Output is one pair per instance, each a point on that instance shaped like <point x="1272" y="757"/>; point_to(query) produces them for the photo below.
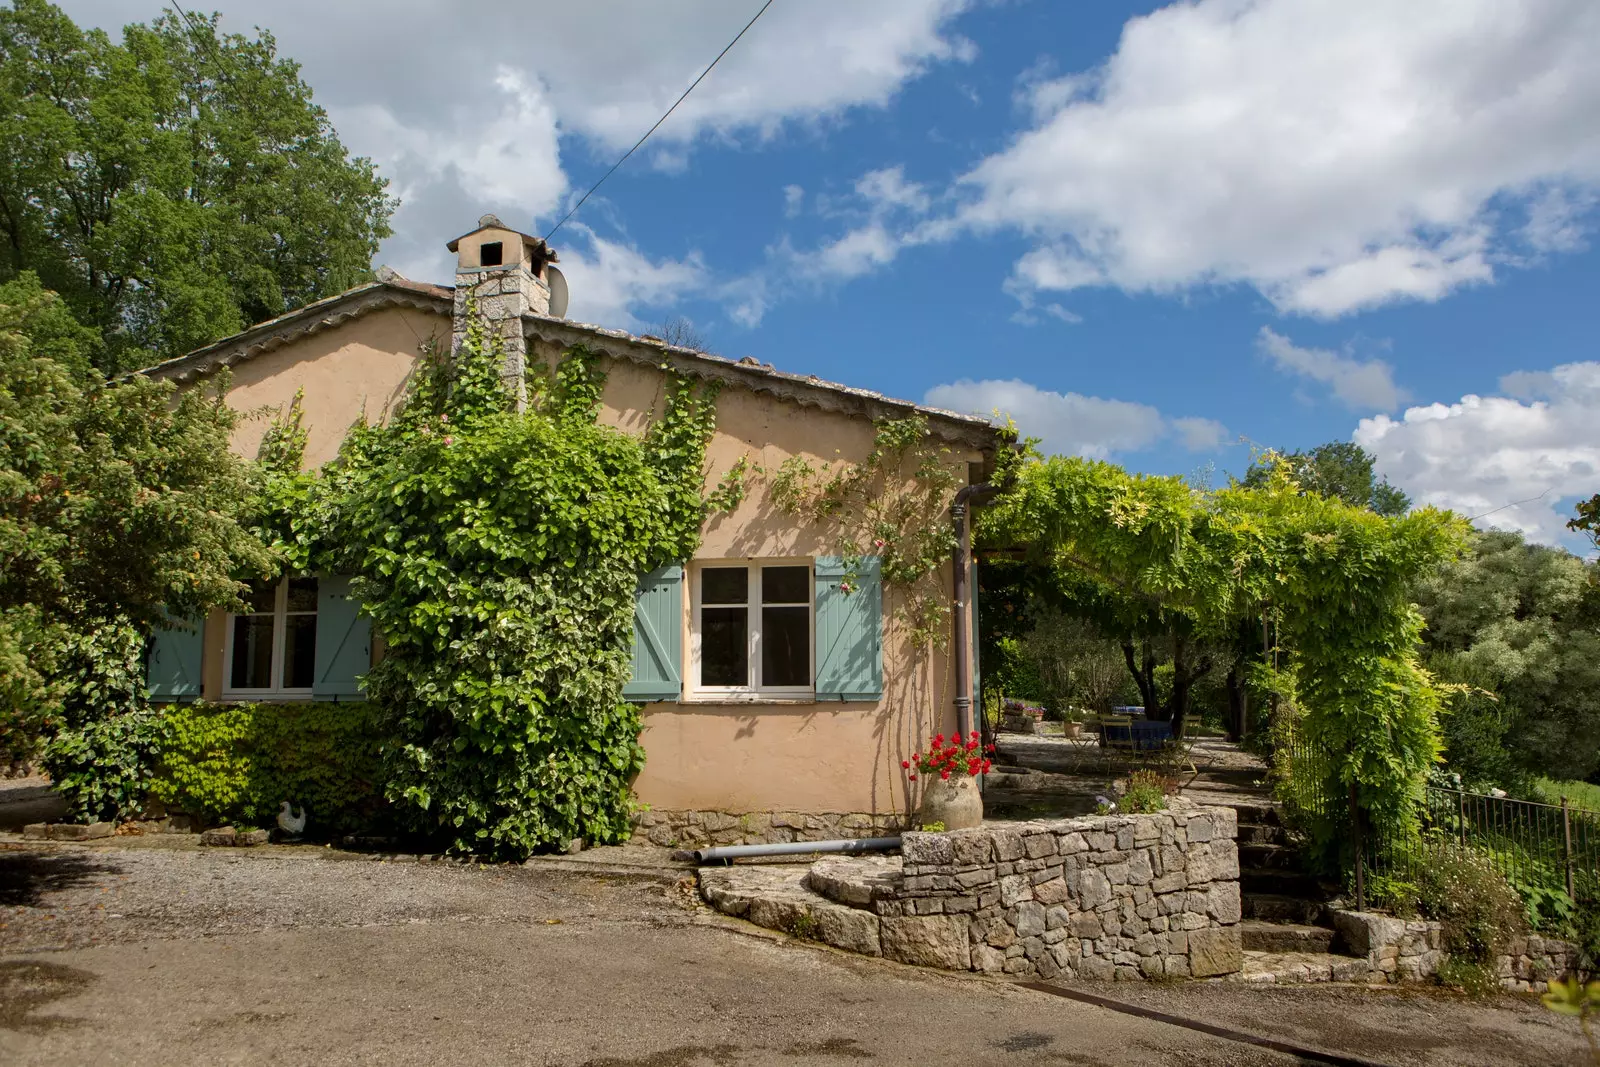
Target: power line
<point x="1514" y="503"/>
<point x="659" y="121"/>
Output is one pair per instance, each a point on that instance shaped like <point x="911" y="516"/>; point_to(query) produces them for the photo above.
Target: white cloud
<point x="887" y="189"/>
<point x="510" y="109"/>
<point x="1483" y="453"/>
<point x="1334" y="154"/>
<point x="611" y="281"/>
<point x="1074" y="424"/>
<point x="793" y="199"/>
<point x="1360" y="384"/>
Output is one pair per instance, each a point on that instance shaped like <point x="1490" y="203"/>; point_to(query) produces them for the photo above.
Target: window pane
<point x="252" y="652"/>
<point x="263" y="596"/>
<point x="299" y="651"/>
<point x="785" y="646"/>
<point x="786" y="585"/>
<point x="302" y="594"/>
<point x="724" y="646"/>
<point x="724" y="585"/>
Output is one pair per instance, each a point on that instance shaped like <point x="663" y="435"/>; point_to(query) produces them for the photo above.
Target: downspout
<point x="960" y="594"/>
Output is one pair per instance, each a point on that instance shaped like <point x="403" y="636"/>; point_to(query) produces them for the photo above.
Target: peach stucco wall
<point x="728" y="756"/>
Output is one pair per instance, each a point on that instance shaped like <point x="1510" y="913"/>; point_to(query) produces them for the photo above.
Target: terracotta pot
<point x="1073" y="729"/>
<point x="956" y="803"/>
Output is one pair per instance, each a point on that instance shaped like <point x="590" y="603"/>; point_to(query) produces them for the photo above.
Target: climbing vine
<point x="1338" y="580"/>
<point x="497" y="551"/>
<point x="893" y="505"/>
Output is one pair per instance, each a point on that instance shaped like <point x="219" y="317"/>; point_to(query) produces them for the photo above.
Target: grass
<point x="1578" y="794"/>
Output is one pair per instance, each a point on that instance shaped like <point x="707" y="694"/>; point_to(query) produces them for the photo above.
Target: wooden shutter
<point x="177" y="654"/>
<point x="344" y="642"/>
<point x="657" y="636"/>
<point x="849" y="629"/>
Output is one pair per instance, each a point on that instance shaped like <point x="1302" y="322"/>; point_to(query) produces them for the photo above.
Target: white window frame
<point x="753" y="605"/>
<point x="280" y="635"/>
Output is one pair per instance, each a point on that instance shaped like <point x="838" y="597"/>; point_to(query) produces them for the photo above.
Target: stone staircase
<point x="1285" y="931"/>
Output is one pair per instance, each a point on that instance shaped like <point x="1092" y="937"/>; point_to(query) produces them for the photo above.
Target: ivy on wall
<point x="894" y="505"/>
<point x="497" y="551"/>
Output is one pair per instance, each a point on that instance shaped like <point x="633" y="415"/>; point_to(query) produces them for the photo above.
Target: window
<point x="752" y="628"/>
<point x="490" y="254"/>
<point x="272" y="648"/>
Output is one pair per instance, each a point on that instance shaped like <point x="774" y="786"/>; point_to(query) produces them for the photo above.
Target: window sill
<point x="749" y="698"/>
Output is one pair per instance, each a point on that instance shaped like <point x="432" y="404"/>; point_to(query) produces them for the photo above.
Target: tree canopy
<point x="1337" y="578"/>
<point x="173" y="188"/>
<point x="1520" y="624"/>
<point x="1339" y="469"/>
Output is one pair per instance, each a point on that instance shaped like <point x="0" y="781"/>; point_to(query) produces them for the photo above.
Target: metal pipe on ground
<point x="729" y="853"/>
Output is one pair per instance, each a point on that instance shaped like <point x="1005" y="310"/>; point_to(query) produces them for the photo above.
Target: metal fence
<point x="1555" y="847"/>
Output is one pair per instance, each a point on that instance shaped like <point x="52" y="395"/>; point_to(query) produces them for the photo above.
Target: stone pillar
<point x="501" y="295"/>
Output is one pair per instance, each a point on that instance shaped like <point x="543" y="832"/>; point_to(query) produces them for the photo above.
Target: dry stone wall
<point x="1103" y="897"/>
<point x="1405" y="950"/>
<point x="700" y="829"/>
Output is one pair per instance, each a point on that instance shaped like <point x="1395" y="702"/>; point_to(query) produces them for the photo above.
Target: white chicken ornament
<point x="289" y="822"/>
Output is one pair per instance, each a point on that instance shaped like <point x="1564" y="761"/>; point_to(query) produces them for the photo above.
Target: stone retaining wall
<point x="700" y="829"/>
<point x="1103" y="897"/>
<point x="1401" y="950"/>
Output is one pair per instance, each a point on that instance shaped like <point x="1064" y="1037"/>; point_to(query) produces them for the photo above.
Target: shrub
<point x="1147" y="792"/>
<point x="240" y="762"/>
<point x="1460" y="888"/>
<point x="103" y="767"/>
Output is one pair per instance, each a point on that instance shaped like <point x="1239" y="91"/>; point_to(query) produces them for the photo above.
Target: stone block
<point x="1034" y="947"/>
<point x="251" y="838"/>
<point x="1139" y="870"/>
<point x="988" y="960"/>
<point x="922" y="849"/>
<point x="1001" y="934"/>
<point x="1199" y="829"/>
<point x="972" y="848"/>
<point x="1096" y="969"/>
<point x="1087" y="926"/>
<point x="1215" y="951"/>
<point x="1071" y="844"/>
<point x="1014" y="888"/>
<point x="1168" y="882"/>
<point x="1364" y="933"/>
<point x="927" y="941"/>
<point x="36" y="831"/>
<point x="1057" y="918"/>
<point x="1007" y="846"/>
<point x="1030" y="919"/>
<point x="847" y="928"/>
<point x="221" y="836"/>
<point x="1040" y="845"/>
<point x="1051" y="892"/>
<point x="1094" y="889"/>
<point x="1224" y="903"/>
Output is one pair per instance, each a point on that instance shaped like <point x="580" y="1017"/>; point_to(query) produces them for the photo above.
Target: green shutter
<point x="176" y="658"/>
<point x="849" y="629"/>
<point x="344" y="642"/>
<point x="658" y="636"/>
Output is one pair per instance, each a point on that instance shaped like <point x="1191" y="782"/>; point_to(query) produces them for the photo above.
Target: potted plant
<point x="949" y="773"/>
<point x="1072" y="725"/>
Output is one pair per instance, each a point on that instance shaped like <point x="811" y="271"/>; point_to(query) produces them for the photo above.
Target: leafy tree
<point x="173" y="188"/>
<point x="1520" y="624"/>
<point x="1340" y="469"/>
<point x="120" y="506"/>
<point x="1588" y="519"/>
<point x="1337" y="578"/>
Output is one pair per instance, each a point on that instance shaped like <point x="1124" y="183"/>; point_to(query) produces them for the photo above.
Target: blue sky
<point x="1155" y="234"/>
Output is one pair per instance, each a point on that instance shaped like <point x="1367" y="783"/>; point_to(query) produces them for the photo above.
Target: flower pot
<point x="956" y="802"/>
<point x="1072" y="729"/>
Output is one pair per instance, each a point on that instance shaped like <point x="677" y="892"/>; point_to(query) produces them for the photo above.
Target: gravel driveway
<point x="136" y="952"/>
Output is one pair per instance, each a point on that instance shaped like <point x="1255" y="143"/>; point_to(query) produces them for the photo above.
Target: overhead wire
<point x="659" y="121"/>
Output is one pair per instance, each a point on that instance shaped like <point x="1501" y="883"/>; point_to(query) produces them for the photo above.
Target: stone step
<point x="1265" y="856"/>
<point x="1258" y="814"/>
<point x="777" y="898"/>
<point x="1261" y="833"/>
<point x="1299" y="968"/>
<point x="1272" y="907"/>
<point x="856" y="882"/>
<point x="1287" y="883"/>
<point x="1258" y="935"/>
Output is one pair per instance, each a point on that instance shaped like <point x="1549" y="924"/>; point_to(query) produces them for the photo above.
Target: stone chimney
<point x="505" y="274"/>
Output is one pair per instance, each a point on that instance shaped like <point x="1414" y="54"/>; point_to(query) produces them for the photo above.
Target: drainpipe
<point x="963" y="635"/>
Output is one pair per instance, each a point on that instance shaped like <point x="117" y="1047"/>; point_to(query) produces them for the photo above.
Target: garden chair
<point x="1180" y="750"/>
<point x="1117" y="740"/>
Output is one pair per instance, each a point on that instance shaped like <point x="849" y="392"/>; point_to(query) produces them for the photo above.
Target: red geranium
<point x="960" y="756"/>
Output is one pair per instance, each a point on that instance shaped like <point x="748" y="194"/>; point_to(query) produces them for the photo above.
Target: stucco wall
<point x="358" y="367"/>
<point x="743" y="757"/>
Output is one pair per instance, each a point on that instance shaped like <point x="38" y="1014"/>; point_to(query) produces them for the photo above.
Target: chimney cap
<point x="541" y="251"/>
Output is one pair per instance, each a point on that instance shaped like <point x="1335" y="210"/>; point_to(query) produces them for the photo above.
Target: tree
<point x="176" y="187"/>
<point x="1588" y="519"/>
<point x="1340" y="469"/>
<point x="120" y="507"/>
<point x="677" y="330"/>
<point x="1520" y="625"/>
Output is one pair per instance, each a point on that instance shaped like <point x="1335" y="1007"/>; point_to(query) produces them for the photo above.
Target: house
<point x="738" y="746"/>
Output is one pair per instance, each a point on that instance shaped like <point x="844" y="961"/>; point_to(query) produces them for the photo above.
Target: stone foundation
<point x="1401" y="950"/>
<point x="701" y="829"/>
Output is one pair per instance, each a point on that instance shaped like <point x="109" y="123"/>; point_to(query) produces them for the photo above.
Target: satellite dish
<point x="558" y="291"/>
